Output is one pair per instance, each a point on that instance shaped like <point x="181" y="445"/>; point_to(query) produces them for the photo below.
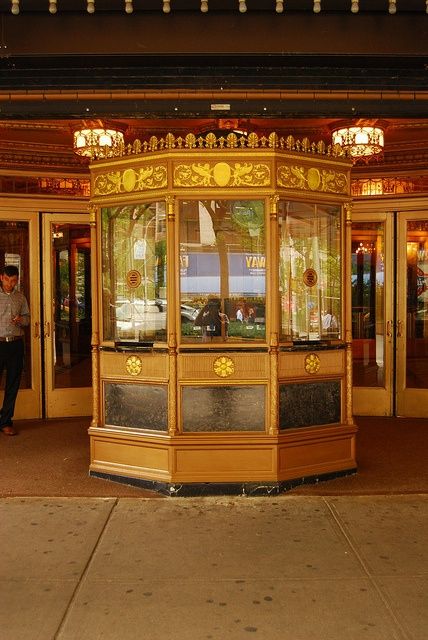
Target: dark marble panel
<point x="306" y="404"/>
<point x="139" y="406"/>
<point x="218" y="408"/>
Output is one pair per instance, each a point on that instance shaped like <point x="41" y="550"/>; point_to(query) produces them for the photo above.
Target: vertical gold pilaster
<point x="274" y="385"/>
<point x="347" y="303"/>
<point x="95" y="337"/>
<point x="171" y="296"/>
<point x="272" y="280"/>
<point x="96" y="400"/>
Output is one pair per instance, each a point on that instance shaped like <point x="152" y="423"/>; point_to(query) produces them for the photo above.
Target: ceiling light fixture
<point x="317" y="6"/>
<point x="97" y="143"/>
<point x="361" y="142"/>
<point x="204" y="6"/>
<point x="279" y="6"/>
<point x="392" y="6"/>
<point x="242" y="6"/>
<point x="166" y="6"/>
<point x="15" y="7"/>
<point x="355" y="6"/>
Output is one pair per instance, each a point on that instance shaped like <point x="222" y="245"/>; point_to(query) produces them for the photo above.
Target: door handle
<point x="37" y="329"/>
<point x="399" y="329"/>
<point x="47" y="329"/>
<point x="389" y="329"/>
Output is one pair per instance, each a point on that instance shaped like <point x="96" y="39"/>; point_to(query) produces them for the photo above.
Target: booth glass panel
<point x="222" y="270"/>
<point x="309" y="271"/>
<point x="134" y="272"/>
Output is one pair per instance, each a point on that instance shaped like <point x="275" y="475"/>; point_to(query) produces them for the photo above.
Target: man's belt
<point x="10" y="338"/>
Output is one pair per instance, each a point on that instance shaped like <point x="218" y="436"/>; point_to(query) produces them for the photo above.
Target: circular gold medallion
<point x="134" y="365"/>
<point x="314" y="179"/>
<point x="224" y="367"/>
<point x="221" y="173"/>
<point x="312" y="363"/>
<point x="129" y="179"/>
<point x="133" y="278"/>
<point x="310" y="277"/>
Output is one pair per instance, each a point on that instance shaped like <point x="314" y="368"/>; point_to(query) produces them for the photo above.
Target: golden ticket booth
<point x="222" y="338"/>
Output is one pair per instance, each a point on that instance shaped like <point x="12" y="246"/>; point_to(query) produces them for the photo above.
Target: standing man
<point x="14" y="314"/>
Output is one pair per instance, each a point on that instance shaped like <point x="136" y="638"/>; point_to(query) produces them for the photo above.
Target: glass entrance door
<point x="19" y="245"/>
<point x="390" y="314"/>
<point x="412" y="318"/>
<point x="67" y="314"/>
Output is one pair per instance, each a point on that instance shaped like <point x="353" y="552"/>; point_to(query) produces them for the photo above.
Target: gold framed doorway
<point x="389" y="308"/>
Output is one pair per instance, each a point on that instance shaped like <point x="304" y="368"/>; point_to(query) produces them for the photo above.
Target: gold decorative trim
<point x="134" y="365"/>
<point x="222" y="174"/>
<point x="224" y="367"/>
<point x="150" y="176"/>
<point x="312" y="363"/>
<point x="312" y="179"/>
<point x="234" y="141"/>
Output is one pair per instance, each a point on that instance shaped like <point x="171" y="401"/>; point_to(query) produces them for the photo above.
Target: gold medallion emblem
<point x="310" y="277"/>
<point x="134" y="365"/>
<point x="312" y="363"/>
<point x="133" y="278"/>
<point x="224" y="367"/>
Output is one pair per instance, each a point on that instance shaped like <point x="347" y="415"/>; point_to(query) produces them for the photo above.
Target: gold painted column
<point x="347" y="297"/>
<point x="171" y="316"/>
<point x="272" y="276"/>
<point x="95" y="337"/>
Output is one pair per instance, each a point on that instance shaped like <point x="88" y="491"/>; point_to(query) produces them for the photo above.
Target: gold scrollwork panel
<point x="223" y="366"/>
<point x="310" y="365"/>
<point x="133" y="179"/>
<point x="304" y="178"/>
<point x="222" y="174"/>
<point x="134" y="366"/>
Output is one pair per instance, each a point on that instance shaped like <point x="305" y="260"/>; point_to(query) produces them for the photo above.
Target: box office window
<point x="222" y="270"/>
<point x="134" y="272"/>
<point x="309" y="271"/>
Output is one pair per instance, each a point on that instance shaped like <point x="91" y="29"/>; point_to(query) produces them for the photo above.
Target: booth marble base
<point x="237" y="464"/>
<point x="195" y="489"/>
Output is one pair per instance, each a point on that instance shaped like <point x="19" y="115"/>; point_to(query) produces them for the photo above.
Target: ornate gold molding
<point x="150" y="176"/>
<point x="222" y="174"/>
<point x="312" y="179"/>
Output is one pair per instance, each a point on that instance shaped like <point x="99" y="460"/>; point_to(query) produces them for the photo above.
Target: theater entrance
<point x="390" y="309"/>
<point x="53" y="253"/>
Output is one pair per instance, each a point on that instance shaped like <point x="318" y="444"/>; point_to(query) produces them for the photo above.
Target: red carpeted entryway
<point x="51" y="458"/>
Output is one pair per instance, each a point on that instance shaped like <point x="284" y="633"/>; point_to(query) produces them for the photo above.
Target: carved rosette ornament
<point x="223" y="367"/>
<point x="134" y="365"/>
<point x="312" y="363"/>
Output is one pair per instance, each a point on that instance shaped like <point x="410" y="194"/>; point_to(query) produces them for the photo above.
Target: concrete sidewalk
<point x="286" y="568"/>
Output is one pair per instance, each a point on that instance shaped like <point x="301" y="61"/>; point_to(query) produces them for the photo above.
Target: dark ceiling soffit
<point x="193" y="33"/>
<point x="85" y="108"/>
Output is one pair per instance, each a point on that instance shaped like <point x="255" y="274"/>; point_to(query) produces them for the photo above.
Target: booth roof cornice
<point x="232" y="141"/>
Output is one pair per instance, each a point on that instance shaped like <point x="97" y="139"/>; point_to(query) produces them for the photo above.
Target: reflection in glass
<point x="309" y="271"/>
<point x="14" y="245"/>
<point x="134" y="272"/>
<point x="368" y="303"/>
<point x="222" y="270"/>
<point x="417" y="305"/>
<point x="71" y="261"/>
